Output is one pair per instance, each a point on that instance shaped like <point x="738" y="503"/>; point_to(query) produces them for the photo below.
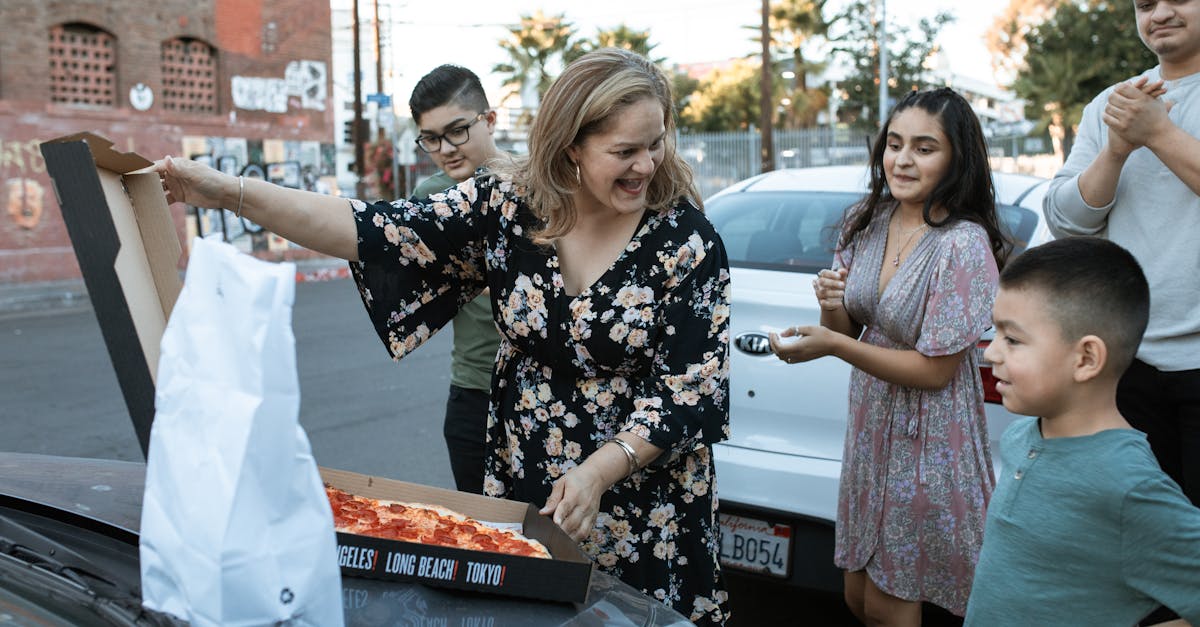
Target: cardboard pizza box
<point x="563" y="577"/>
<point x="128" y="250"/>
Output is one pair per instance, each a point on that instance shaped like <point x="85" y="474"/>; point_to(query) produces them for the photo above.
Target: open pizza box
<point x="128" y="250"/>
<point x="564" y="577"/>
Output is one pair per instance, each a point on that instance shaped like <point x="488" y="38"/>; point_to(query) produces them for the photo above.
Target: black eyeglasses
<point x="457" y="136"/>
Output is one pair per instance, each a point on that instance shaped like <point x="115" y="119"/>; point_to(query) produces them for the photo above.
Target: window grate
<point x="82" y="66"/>
<point x="189" y="71"/>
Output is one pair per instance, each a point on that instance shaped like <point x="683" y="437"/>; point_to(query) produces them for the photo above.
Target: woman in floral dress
<point x="610" y="290"/>
<point x="910" y="295"/>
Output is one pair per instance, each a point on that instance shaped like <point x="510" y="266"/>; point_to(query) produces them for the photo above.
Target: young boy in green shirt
<point x="455" y="127"/>
<point x="1084" y="528"/>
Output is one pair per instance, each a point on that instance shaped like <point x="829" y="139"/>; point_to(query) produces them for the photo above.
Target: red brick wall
<point x="256" y="40"/>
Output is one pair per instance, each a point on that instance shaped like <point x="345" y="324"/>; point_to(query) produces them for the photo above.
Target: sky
<point x="427" y="33"/>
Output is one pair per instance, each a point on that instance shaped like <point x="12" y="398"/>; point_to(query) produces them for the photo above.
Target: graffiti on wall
<point x="25" y="196"/>
<point x="305" y="165"/>
<point x="303" y="81"/>
<point x="24" y="201"/>
<point x="24" y="157"/>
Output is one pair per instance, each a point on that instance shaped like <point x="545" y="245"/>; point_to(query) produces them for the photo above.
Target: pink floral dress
<point x="917" y="469"/>
<point x="643" y="350"/>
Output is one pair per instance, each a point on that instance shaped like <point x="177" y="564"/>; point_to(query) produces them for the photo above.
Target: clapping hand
<point x="830" y="288"/>
<point x="1134" y="114"/>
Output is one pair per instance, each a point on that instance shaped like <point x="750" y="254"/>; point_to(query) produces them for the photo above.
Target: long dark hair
<point x="965" y="192"/>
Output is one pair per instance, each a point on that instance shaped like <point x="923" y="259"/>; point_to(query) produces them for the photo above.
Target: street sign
<point x="384" y="100"/>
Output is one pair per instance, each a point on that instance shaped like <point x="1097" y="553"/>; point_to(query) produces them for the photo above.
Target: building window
<point x="83" y="66"/>
<point x="189" y="71"/>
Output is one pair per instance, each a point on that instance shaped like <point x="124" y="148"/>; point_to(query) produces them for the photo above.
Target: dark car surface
<point x="69" y="556"/>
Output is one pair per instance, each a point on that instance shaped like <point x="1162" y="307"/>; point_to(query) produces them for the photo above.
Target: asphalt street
<point x="362" y="411"/>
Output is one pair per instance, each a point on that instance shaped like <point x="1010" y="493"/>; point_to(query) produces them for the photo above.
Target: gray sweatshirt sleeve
<point x="1066" y="212"/>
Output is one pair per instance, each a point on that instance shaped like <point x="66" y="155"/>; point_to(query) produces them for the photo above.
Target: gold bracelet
<point x="241" y="195"/>
<point x="630" y="455"/>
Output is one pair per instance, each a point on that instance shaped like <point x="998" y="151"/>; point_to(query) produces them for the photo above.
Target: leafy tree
<point x="1005" y="39"/>
<point x="683" y="88"/>
<point x="1078" y="52"/>
<point x="727" y="99"/>
<point x="856" y="44"/>
<point x="533" y="46"/>
<point x="618" y="37"/>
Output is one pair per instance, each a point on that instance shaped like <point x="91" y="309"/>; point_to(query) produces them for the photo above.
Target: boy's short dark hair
<point x="1090" y="286"/>
<point x="444" y="85"/>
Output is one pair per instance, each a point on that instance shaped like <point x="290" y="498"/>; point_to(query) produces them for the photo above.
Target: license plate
<point x="755" y="545"/>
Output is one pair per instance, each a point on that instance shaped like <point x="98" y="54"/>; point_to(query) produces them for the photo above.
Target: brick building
<point x="244" y="84"/>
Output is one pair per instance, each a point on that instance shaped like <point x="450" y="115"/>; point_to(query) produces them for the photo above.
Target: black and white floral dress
<point x="644" y="349"/>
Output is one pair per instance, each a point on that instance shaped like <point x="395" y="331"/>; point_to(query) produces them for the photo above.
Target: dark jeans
<point x="1166" y="407"/>
<point x="465" y="429"/>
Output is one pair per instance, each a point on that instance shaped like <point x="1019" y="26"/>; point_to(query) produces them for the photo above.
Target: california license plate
<point x="755" y="545"/>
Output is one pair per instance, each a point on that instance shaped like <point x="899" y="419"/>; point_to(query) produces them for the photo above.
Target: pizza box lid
<point x="563" y="577"/>
<point x="128" y="249"/>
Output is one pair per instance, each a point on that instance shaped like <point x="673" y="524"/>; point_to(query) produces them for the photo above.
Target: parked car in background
<point x="778" y="473"/>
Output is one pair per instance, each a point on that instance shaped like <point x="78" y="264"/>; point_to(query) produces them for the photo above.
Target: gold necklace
<point x="911" y="234"/>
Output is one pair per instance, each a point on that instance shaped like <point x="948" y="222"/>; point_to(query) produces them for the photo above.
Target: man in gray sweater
<point x="1133" y="176"/>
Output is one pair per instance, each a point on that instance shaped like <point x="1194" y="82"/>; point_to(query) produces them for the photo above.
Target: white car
<point x="778" y="473"/>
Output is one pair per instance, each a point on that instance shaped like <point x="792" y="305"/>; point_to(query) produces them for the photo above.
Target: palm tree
<point x="621" y="36"/>
<point x="532" y="46"/>
<point x="793" y="23"/>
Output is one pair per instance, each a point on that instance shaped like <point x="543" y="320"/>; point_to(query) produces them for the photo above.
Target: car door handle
<point x="753" y="342"/>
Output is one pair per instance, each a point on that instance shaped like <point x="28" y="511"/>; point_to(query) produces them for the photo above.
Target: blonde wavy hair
<point x="583" y="101"/>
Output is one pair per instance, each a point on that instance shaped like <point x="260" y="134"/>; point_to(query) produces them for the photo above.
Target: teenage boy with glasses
<point x="456" y="127"/>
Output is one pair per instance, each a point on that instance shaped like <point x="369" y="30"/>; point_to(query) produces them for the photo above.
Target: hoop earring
<point x="578" y="178"/>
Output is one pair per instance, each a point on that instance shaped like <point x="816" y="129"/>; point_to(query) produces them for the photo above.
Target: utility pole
<point x="360" y="190"/>
<point x="378" y="55"/>
<point x="392" y="190"/>
<point x="883" y="64"/>
<point x="767" y="149"/>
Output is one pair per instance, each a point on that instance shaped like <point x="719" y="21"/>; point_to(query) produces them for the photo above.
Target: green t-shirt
<point x="440" y="181"/>
<point x="475" y="337"/>
<point x="475" y="343"/>
<point x="1084" y="531"/>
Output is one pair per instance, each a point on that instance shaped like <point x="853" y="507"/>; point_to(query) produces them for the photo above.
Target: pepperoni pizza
<point x="427" y="524"/>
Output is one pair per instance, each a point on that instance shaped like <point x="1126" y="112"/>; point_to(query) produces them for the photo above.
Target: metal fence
<point x="722" y="159"/>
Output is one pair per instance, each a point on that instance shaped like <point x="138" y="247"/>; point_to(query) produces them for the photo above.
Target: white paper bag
<point x="236" y="528"/>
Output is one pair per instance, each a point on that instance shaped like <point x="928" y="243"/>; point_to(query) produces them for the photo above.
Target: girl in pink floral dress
<point x="910" y="294"/>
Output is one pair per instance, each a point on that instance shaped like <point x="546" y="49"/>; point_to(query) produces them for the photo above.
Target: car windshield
<point x="795" y="231"/>
<point x="792" y="231"/>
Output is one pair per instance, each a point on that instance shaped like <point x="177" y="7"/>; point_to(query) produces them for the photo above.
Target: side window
<point x="83" y="66"/>
<point x="791" y="231"/>
<point x="1018" y="223"/>
<point x="189" y="73"/>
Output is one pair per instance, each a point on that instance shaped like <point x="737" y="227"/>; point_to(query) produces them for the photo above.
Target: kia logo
<point x="753" y="342"/>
